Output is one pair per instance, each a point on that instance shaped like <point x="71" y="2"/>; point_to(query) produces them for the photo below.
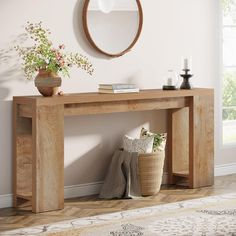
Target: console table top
<point x="102" y="97"/>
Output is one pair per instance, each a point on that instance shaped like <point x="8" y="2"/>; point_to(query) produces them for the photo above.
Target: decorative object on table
<point x="187" y="64"/>
<point x="47" y="82"/>
<point x="60" y="93"/>
<point x="118" y="88"/>
<point x="47" y="60"/>
<point x="171" y="81"/>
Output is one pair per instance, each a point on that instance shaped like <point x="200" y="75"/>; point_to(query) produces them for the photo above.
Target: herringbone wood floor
<point x="11" y="218"/>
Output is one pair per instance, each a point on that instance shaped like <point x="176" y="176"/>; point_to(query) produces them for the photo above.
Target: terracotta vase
<point x="47" y="83"/>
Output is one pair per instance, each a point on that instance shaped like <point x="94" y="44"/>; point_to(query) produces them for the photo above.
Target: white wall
<point x="171" y="29"/>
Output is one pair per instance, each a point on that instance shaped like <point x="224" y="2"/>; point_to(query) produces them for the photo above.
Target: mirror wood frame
<point x="93" y="43"/>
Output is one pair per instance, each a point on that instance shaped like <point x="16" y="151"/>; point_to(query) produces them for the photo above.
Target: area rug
<point x="215" y="215"/>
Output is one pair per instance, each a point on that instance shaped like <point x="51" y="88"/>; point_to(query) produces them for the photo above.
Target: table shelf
<point x="184" y="174"/>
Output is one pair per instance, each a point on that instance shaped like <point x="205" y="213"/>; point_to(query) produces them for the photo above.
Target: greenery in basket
<point x="159" y="140"/>
<point x="43" y="56"/>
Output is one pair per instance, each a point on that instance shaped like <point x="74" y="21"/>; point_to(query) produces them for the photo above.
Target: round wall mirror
<point x="112" y="26"/>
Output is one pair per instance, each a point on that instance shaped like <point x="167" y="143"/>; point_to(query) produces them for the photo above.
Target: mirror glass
<point x="113" y="26"/>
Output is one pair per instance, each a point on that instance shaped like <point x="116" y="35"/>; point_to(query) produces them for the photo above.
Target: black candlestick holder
<point x="186" y="76"/>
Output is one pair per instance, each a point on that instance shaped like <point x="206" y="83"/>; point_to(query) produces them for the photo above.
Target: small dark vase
<point x="186" y="76"/>
<point x="47" y="83"/>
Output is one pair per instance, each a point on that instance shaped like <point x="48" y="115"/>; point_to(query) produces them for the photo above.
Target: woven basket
<point x="150" y="172"/>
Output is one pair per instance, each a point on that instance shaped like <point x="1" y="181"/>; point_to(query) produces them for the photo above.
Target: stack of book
<point x="118" y="88"/>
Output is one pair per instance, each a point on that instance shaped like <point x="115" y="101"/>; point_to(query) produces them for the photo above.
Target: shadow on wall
<point x="79" y="31"/>
<point x="10" y="67"/>
<point x="4" y="92"/>
<point x="89" y="164"/>
<point x="9" y="71"/>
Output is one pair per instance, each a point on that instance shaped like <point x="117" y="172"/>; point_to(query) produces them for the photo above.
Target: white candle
<point x="169" y="81"/>
<point x="186" y="63"/>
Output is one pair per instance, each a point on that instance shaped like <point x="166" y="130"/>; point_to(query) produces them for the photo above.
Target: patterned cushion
<point x="159" y="142"/>
<point x="143" y="145"/>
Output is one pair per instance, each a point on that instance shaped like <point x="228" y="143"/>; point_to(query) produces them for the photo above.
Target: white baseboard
<point x="226" y="169"/>
<point x="94" y="188"/>
<point x="6" y="200"/>
<point x="82" y="190"/>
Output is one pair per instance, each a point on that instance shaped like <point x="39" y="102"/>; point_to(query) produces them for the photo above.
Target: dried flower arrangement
<point x="43" y="56"/>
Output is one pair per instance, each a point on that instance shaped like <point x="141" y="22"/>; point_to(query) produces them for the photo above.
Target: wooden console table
<point x="38" y="127"/>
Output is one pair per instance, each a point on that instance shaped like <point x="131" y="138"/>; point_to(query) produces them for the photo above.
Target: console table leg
<point x="48" y="158"/>
<point x="14" y="169"/>
<point x="178" y="145"/>
<point x="22" y="158"/>
<point x="201" y="122"/>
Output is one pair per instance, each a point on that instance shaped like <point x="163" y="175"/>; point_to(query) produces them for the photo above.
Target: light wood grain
<point x="14" y="150"/>
<point x="124" y="106"/>
<point x="178" y="144"/>
<point x="24" y="165"/>
<point x="81" y="98"/>
<point x="22" y="155"/>
<point x="202" y="143"/>
<point x="25" y="110"/>
<point x="180" y="137"/>
<point x="190" y="141"/>
<point x="48" y="165"/>
<point x="184" y="173"/>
